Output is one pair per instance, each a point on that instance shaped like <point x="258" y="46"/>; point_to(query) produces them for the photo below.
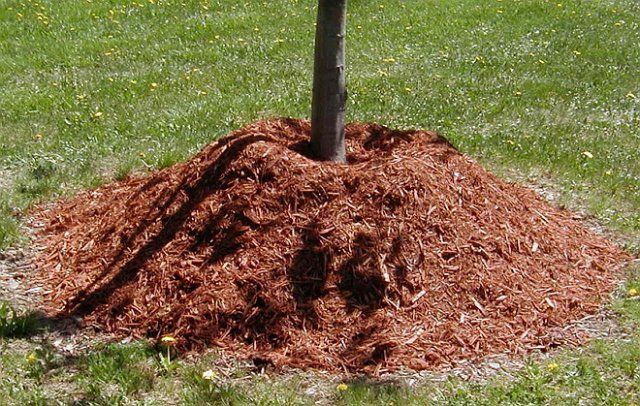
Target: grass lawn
<point x="543" y="92"/>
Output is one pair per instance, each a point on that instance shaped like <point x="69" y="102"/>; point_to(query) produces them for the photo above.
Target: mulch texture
<point x="412" y="255"/>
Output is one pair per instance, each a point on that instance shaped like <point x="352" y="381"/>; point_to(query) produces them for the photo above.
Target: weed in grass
<point x="373" y="393"/>
<point x="13" y="324"/>
<point x="200" y="390"/>
<point x="203" y="385"/>
<point x="42" y="359"/>
<point x="628" y="305"/>
<point x="16" y="386"/>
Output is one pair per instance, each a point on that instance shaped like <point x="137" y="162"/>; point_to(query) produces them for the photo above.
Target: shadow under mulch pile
<point x="411" y="255"/>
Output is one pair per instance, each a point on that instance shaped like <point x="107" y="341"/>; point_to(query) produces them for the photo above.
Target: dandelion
<point x="168" y="340"/>
<point x="32" y="358"/>
<point x="587" y="154"/>
<point x="389" y="60"/>
<point x="631" y="96"/>
<point x="97" y="114"/>
<point x="38" y="136"/>
<point x="633" y="292"/>
<point x="342" y="387"/>
<point x="209" y="375"/>
<point x="553" y="367"/>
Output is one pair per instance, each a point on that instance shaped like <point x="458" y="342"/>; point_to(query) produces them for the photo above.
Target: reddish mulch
<point x="412" y="255"/>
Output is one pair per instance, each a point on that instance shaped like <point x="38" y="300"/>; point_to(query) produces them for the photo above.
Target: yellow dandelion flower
<point x="342" y="387"/>
<point x="168" y="340"/>
<point x="631" y="96"/>
<point x="633" y="292"/>
<point x="553" y="367"/>
<point x="32" y="358"/>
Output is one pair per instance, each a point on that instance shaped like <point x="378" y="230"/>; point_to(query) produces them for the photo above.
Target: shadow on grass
<point x="20" y="325"/>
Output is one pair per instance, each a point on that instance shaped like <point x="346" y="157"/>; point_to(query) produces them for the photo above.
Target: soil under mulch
<point x="412" y="255"/>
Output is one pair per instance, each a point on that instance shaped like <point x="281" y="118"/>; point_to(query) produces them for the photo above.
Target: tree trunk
<point x="329" y="94"/>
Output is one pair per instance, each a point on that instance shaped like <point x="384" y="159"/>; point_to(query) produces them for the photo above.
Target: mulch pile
<point x="411" y="255"/>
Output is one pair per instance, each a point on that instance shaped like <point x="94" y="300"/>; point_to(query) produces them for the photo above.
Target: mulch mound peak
<point x="411" y="255"/>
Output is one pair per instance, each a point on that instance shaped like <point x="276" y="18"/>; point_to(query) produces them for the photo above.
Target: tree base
<point x="411" y="255"/>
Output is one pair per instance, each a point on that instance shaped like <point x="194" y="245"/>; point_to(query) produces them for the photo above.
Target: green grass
<point x="91" y="93"/>
<point x="13" y="324"/>
<point x="540" y="91"/>
<point x="117" y="374"/>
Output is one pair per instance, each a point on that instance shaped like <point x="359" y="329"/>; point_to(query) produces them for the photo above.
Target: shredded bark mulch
<point x="411" y="255"/>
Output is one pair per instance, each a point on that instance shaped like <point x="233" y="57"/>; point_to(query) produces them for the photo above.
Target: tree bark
<point x="329" y="92"/>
